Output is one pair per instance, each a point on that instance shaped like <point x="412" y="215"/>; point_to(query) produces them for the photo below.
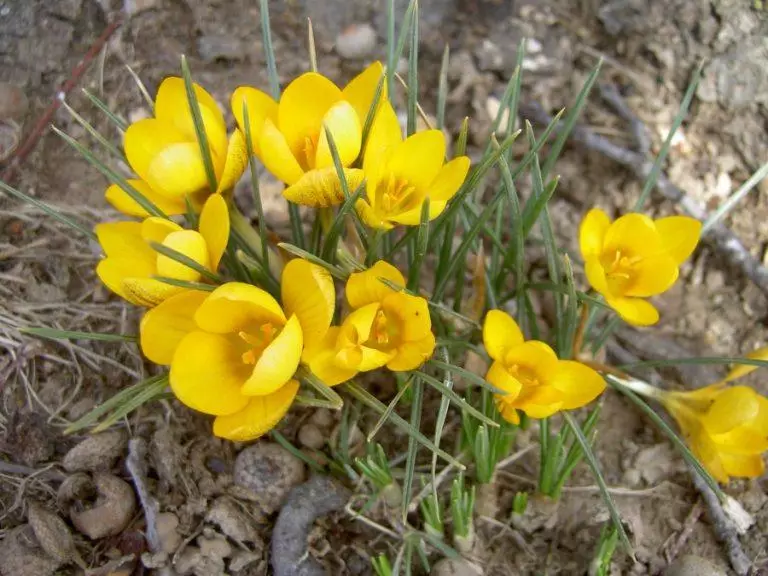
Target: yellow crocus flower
<point x="386" y="328"/>
<point x="402" y="174"/>
<point x="131" y="262"/>
<point x="635" y="257"/>
<point x="529" y="372"/>
<point x="164" y="153"/>
<point x="726" y="427"/>
<point x="233" y="352"/>
<point x="290" y="138"/>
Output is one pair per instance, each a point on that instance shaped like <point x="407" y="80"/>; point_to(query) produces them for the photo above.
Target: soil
<point x="650" y="50"/>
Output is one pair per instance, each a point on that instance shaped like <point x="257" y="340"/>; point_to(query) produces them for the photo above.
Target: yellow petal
<point x="207" y="373"/>
<point x="341" y="120"/>
<point x="122" y="202"/>
<point x="365" y="287"/>
<point x="372" y="359"/>
<point x="596" y="275"/>
<point x="449" y="179"/>
<point x="507" y="410"/>
<point x="680" y="235"/>
<point x="410" y="314"/>
<point x="321" y="188"/>
<point x="214" y="228"/>
<point x="356" y="327"/>
<point x="178" y="170"/>
<point x="371" y="217"/>
<point x="653" y="276"/>
<point x="278" y="363"/>
<point x="592" y="232"/>
<point x="740" y="370"/>
<point x="361" y="90"/>
<point x="707" y="453"/>
<point x="499" y="376"/>
<point x="540" y="402"/>
<point x="148" y="291"/>
<point x="124" y="240"/>
<point x="419" y="159"/>
<point x="156" y="229"/>
<point x="192" y="245"/>
<point x="413" y="217"/>
<point x="323" y="361"/>
<point x="413" y="354"/>
<point x="532" y="356"/>
<point x="307" y="291"/>
<point x="303" y="105"/>
<point x="633" y="235"/>
<point x="577" y="383"/>
<point x="277" y="155"/>
<point x="731" y="408"/>
<point x="500" y="333"/>
<point x="385" y="135"/>
<point x="145" y="139"/>
<point x="115" y="270"/>
<point x="743" y="466"/>
<point x="742" y="441"/>
<point x="172" y="106"/>
<point x="163" y="327"/>
<point x="237" y="306"/>
<point x="235" y="162"/>
<point x="261" y="414"/>
<point x="635" y="311"/>
<point x="260" y="107"/>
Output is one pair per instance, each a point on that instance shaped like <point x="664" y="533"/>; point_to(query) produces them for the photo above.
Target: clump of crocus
<point x="726" y="427"/>
<point x="165" y="154"/>
<point x="402" y="174"/>
<point x="131" y="263"/>
<point x="290" y="136"/>
<point x="233" y="352"/>
<point x="531" y="375"/>
<point x="634" y="258"/>
<point x="386" y="327"/>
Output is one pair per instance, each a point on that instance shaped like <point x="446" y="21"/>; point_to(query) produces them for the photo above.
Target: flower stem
<point x="242" y="228"/>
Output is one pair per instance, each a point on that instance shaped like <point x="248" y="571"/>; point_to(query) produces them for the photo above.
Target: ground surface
<point x="650" y="50"/>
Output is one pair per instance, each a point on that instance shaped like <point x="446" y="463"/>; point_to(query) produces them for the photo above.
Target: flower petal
<point x="365" y="287"/>
<point x="507" y="410"/>
<point x="411" y="315"/>
<point x="577" y="383"/>
<point x="412" y="354"/>
<point x="261" y="414"/>
<point x="592" y="232"/>
<point x="347" y="134"/>
<point x="361" y="90"/>
<point x="156" y="229"/>
<point x="114" y="270"/>
<point x="356" y="327"/>
<point x="540" y="402"/>
<point x="124" y="240"/>
<point x="500" y="332"/>
<point x="323" y="361"/>
<point x="633" y="235"/>
<point x="278" y="362"/>
<point x="740" y="370"/>
<point x="145" y="139"/>
<point x="214" y="228"/>
<point x="371" y="217"/>
<point x="419" y="159"/>
<point x="260" y="107"/>
<point x="303" y="105"/>
<point x="321" y="188"/>
<point x="596" y="275"/>
<point x="277" y="156"/>
<point x="207" y="373"/>
<point x="235" y="162"/>
<point x="163" y="327"/>
<point x="192" y="245"/>
<point x="413" y="217"/>
<point x="743" y="466"/>
<point x="178" y="170"/>
<point x="741" y="440"/>
<point x="449" y="179"/>
<point x="534" y="356"/>
<point x="679" y="235"/>
<point x="385" y="135"/>
<point x="653" y="276"/>
<point x="635" y="311"/>
<point x="236" y="306"/>
<point x="499" y="376"/>
<point x="731" y="408"/>
<point x="122" y="202"/>
<point x="148" y="291"/>
<point x="307" y="291"/>
<point x="707" y="453"/>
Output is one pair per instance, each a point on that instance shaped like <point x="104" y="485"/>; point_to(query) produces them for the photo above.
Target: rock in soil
<point x="20" y="556"/>
<point x="311" y="436"/>
<point x="114" y="506"/>
<point x="53" y="534"/>
<point x="693" y="566"/>
<point x="97" y="452"/>
<point x="167" y="532"/>
<point x="317" y="497"/>
<point x="356" y="42"/>
<point x="233" y="522"/>
<point x="269" y="472"/>
<point x="456" y="567"/>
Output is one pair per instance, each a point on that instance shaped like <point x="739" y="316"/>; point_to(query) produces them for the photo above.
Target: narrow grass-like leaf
<point x="575" y="453"/>
<point x="285" y="443"/>
<point x="296" y="251"/>
<point x="461" y="140"/>
<point x="391" y="47"/>
<point x="535" y="206"/>
<point x="111" y="175"/>
<point x="417" y="399"/>
<point x="650" y="181"/>
<point x="422" y="241"/>
<point x="514" y="254"/>
<point x="185" y="284"/>
<point x="52" y="212"/>
<point x="323" y="389"/>
<point x="413" y="72"/>
<point x="142" y="88"/>
<point x="311" y="45"/>
<point x="256" y="273"/>
<point x="452" y="396"/>
<point x="372" y="402"/>
<point x="149" y="393"/>
<point x="464" y="373"/>
<point x="595" y="466"/>
<point x="734" y="198"/>
<point x="55" y="334"/>
<point x="669" y="433"/>
<point x="442" y="414"/>
<point x="334" y="232"/>
<point x="514" y="99"/>
<point x="405" y="34"/>
<point x="372" y="111"/>
<point x="118" y="122"/>
<point x="570" y="120"/>
<point x="390" y="408"/>
<point x="255" y="180"/>
<point x="442" y="88"/>
<point x="197" y="120"/>
<point x="186" y="260"/>
<point x="582" y="296"/>
<point x="106" y="144"/>
<point x="269" y="50"/>
<point x="571" y="320"/>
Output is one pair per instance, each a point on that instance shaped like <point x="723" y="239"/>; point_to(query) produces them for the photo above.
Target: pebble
<point x="19" y="558"/>
<point x="456" y="567"/>
<point x="269" y="471"/>
<point x="356" y="42"/>
<point x="111" y="512"/>
<point x="691" y="565"/>
<point x="13" y="102"/>
<point x="167" y="524"/>
<point x="311" y="436"/>
<point x="220" y="47"/>
<point x="135" y="6"/>
<point x="232" y="521"/>
<point x="97" y="452"/>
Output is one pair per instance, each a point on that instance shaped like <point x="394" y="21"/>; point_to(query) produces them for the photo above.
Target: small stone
<point x="167" y="524"/>
<point x="457" y="567"/>
<point x="691" y="565"/>
<point x="97" y="452"/>
<point x="18" y="557"/>
<point x="13" y="102"/>
<point x="269" y="472"/>
<point x="489" y="57"/>
<point x="217" y="548"/>
<point x="322" y="418"/>
<point x="241" y="559"/>
<point x="232" y="521"/>
<point x="189" y="559"/>
<point x="311" y="436"/>
<point x="110" y="513"/>
<point x="53" y="534"/>
<point x="220" y="47"/>
<point x="132" y="7"/>
<point x="356" y="42"/>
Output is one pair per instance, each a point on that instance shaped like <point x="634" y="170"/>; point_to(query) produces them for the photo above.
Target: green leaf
<point x="300" y="454"/>
<point x="185" y="284"/>
<point x="335" y="401"/>
<point x="337" y="226"/>
<point x="442" y="88"/>
<point x="118" y="122"/>
<point x="186" y="260"/>
<point x="390" y="408"/>
<point x="734" y="198"/>
<point x="413" y="72"/>
<point x="106" y="144"/>
<point x="142" y="89"/>
<point x="296" y="251"/>
<point x="413" y="446"/>
<point x="255" y="182"/>
<point x="151" y="392"/>
<point x="311" y="43"/>
<point x="197" y="119"/>
<point x="464" y="373"/>
<point x="55" y="334"/>
<point x="372" y="111"/>
<point x="451" y="396"/>
<point x="393" y="56"/>
<point x="269" y="50"/>
<point x="536" y="205"/>
<point x="422" y="241"/>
